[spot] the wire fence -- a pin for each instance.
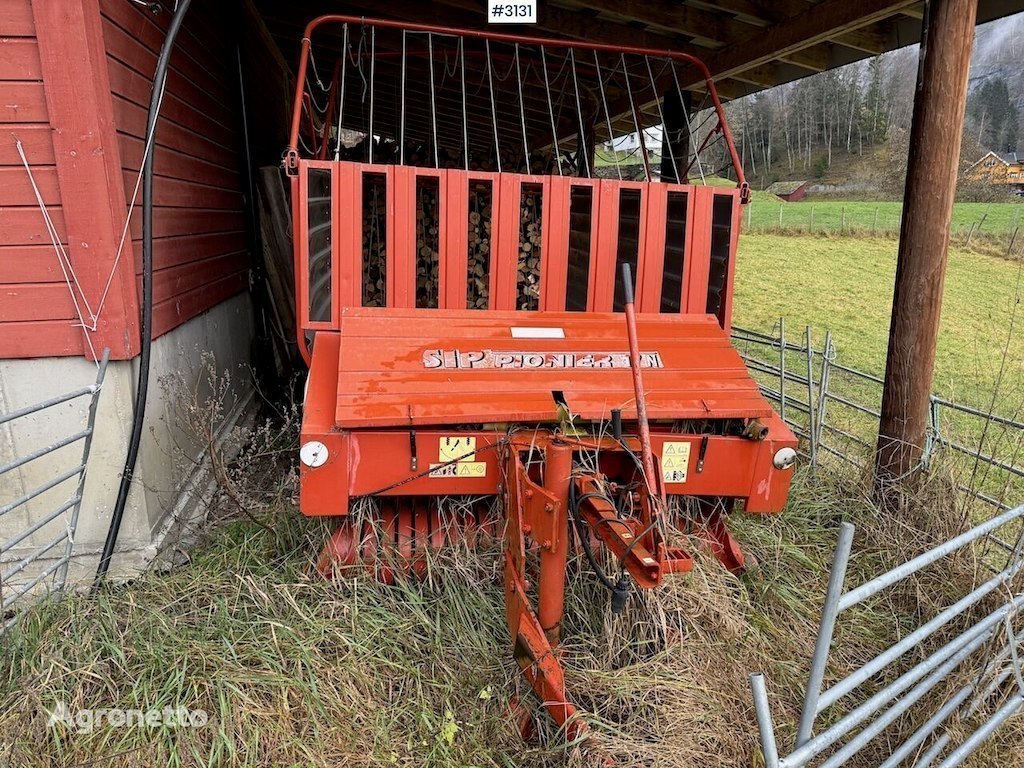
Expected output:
(37, 550)
(1001, 223)
(835, 409)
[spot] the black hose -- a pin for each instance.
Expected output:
(584, 534)
(146, 312)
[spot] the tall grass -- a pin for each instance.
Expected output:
(296, 671)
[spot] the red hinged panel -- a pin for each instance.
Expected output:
(409, 367)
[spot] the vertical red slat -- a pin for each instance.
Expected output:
(601, 292)
(454, 266)
(698, 251)
(650, 256)
(505, 248)
(688, 246)
(401, 241)
(348, 226)
(650, 266)
(302, 247)
(555, 250)
(737, 215)
(298, 219)
(344, 280)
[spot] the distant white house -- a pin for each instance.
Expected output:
(631, 141)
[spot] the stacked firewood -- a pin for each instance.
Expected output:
(428, 229)
(528, 272)
(375, 258)
(427, 245)
(478, 290)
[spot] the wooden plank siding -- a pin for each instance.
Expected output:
(35, 306)
(199, 250)
(75, 82)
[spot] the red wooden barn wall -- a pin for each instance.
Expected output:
(34, 301)
(199, 250)
(74, 89)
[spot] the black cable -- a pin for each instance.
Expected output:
(584, 534)
(146, 330)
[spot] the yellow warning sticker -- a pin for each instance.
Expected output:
(675, 459)
(461, 469)
(456, 457)
(456, 448)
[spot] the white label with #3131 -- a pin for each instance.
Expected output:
(511, 13)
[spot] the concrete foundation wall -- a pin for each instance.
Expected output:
(216, 342)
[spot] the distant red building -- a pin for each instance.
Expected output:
(790, 191)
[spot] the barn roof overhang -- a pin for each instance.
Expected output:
(748, 45)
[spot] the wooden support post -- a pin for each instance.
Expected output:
(675, 139)
(924, 239)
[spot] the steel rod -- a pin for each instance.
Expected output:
(607, 116)
(980, 736)
(60, 579)
(579, 113)
(433, 97)
(551, 111)
(646, 455)
(373, 71)
(858, 742)
(341, 88)
(39, 490)
(23, 589)
(401, 124)
(876, 585)
(769, 748)
(39, 453)
(782, 368)
(959, 647)
(975, 412)
(465, 114)
(16, 540)
(494, 109)
(44, 404)
(810, 400)
(636, 118)
(826, 626)
(918, 737)
(32, 557)
(855, 679)
(522, 113)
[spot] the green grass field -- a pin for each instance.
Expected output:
(845, 285)
(767, 212)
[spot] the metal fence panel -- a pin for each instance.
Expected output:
(41, 571)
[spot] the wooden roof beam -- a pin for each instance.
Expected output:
(816, 58)
(873, 40)
(559, 22)
(673, 15)
(819, 23)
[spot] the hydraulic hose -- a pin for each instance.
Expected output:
(146, 310)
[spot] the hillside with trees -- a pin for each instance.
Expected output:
(848, 128)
